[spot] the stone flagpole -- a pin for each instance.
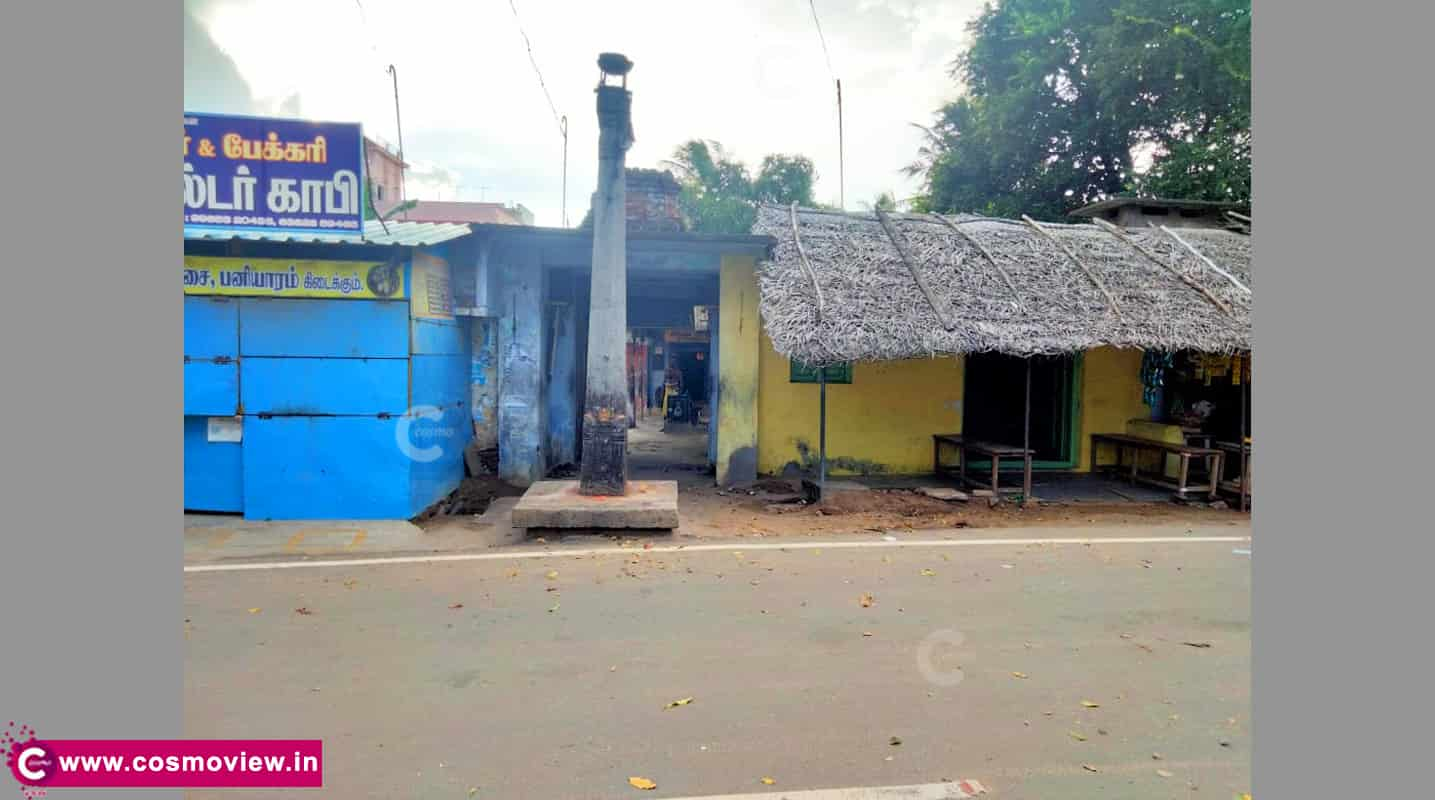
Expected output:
(604, 469)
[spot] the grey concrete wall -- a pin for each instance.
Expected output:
(483, 381)
(562, 393)
(521, 344)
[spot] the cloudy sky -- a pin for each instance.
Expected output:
(750, 74)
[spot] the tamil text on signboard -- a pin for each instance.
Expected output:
(252, 173)
(274, 277)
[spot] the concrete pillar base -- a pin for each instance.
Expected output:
(558, 504)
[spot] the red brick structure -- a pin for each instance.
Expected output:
(652, 202)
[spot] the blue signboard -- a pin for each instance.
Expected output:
(279, 175)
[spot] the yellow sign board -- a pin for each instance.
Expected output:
(277, 277)
(432, 295)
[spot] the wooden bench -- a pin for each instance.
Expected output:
(953, 440)
(995, 452)
(1240, 454)
(1138, 444)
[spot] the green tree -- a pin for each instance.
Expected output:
(719, 194)
(1060, 93)
(884, 201)
(784, 180)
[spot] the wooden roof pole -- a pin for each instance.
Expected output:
(1209, 263)
(901, 245)
(806, 265)
(984, 251)
(1110, 300)
(1143, 250)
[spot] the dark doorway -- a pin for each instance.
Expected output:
(995, 401)
(691, 360)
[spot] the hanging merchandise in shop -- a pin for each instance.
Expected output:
(1154, 367)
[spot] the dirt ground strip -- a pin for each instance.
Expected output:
(766, 509)
(710, 511)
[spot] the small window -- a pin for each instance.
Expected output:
(379, 193)
(836, 373)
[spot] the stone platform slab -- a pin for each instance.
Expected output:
(557, 504)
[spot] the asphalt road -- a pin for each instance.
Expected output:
(544, 685)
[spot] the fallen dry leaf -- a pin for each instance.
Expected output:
(1021, 675)
(641, 783)
(865, 600)
(684, 701)
(554, 608)
(456, 605)
(866, 633)
(1089, 768)
(1165, 773)
(894, 741)
(1078, 737)
(768, 781)
(1089, 704)
(928, 573)
(303, 610)
(254, 611)
(1197, 644)
(552, 575)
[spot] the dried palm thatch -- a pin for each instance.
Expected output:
(993, 285)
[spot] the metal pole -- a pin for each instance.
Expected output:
(1026, 440)
(398, 123)
(1245, 458)
(841, 164)
(822, 431)
(563, 126)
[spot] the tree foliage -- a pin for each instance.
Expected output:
(1062, 94)
(720, 194)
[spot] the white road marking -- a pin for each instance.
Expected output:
(957, 790)
(440, 558)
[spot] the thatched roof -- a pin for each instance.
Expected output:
(1001, 285)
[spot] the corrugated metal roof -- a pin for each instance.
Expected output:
(412, 234)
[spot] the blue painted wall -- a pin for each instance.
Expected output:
(326, 389)
(325, 468)
(440, 336)
(213, 471)
(439, 385)
(213, 478)
(324, 386)
(211, 388)
(333, 328)
(211, 327)
(437, 455)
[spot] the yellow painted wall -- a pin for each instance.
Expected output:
(739, 330)
(1161, 432)
(881, 423)
(1110, 397)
